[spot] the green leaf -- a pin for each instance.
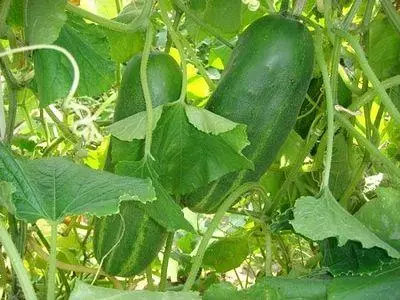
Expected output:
(44, 20)
(88, 45)
(6, 192)
(54, 188)
(219, 57)
(230, 10)
(384, 285)
(381, 216)
(341, 173)
(90, 292)
(134, 127)
(208, 122)
(352, 258)
(165, 211)
(123, 45)
(383, 50)
(272, 288)
(227, 253)
(187, 158)
(321, 218)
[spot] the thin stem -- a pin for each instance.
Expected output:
(212, 227)
(370, 95)
(118, 5)
(179, 46)
(201, 23)
(149, 278)
(17, 264)
(146, 91)
(59, 264)
(373, 151)
(12, 113)
(63, 128)
(134, 26)
(329, 107)
(391, 13)
(51, 279)
(166, 256)
(390, 107)
(175, 25)
(299, 6)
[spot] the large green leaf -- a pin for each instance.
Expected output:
(54, 188)
(384, 285)
(88, 45)
(381, 216)
(44, 20)
(323, 217)
(227, 253)
(187, 158)
(90, 292)
(165, 211)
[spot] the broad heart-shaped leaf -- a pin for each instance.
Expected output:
(226, 254)
(165, 211)
(88, 45)
(321, 218)
(186, 158)
(54, 188)
(134, 127)
(89, 292)
(44, 20)
(208, 122)
(381, 216)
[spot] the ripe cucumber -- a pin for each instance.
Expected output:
(263, 86)
(128, 242)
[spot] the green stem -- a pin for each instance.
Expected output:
(175, 25)
(179, 46)
(390, 107)
(146, 91)
(17, 264)
(12, 113)
(63, 128)
(149, 278)
(51, 276)
(4, 8)
(134, 26)
(284, 6)
(201, 23)
(391, 13)
(268, 249)
(164, 267)
(370, 95)
(118, 5)
(329, 107)
(52, 146)
(311, 141)
(373, 151)
(212, 227)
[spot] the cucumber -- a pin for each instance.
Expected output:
(127, 243)
(263, 86)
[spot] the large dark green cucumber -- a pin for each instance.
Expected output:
(263, 86)
(128, 242)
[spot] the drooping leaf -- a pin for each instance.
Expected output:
(164, 210)
(352, 258)
(90, 292)
(53, 188)
(208, 122)
(44, 20)
(134, 127)
(323, 217)
(187, 158)
(381, 216)
(88, 45)
(226, 254)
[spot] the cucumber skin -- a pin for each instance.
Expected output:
(263, 86)
(142, 237)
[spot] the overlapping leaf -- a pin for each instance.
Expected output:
(313, 214)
